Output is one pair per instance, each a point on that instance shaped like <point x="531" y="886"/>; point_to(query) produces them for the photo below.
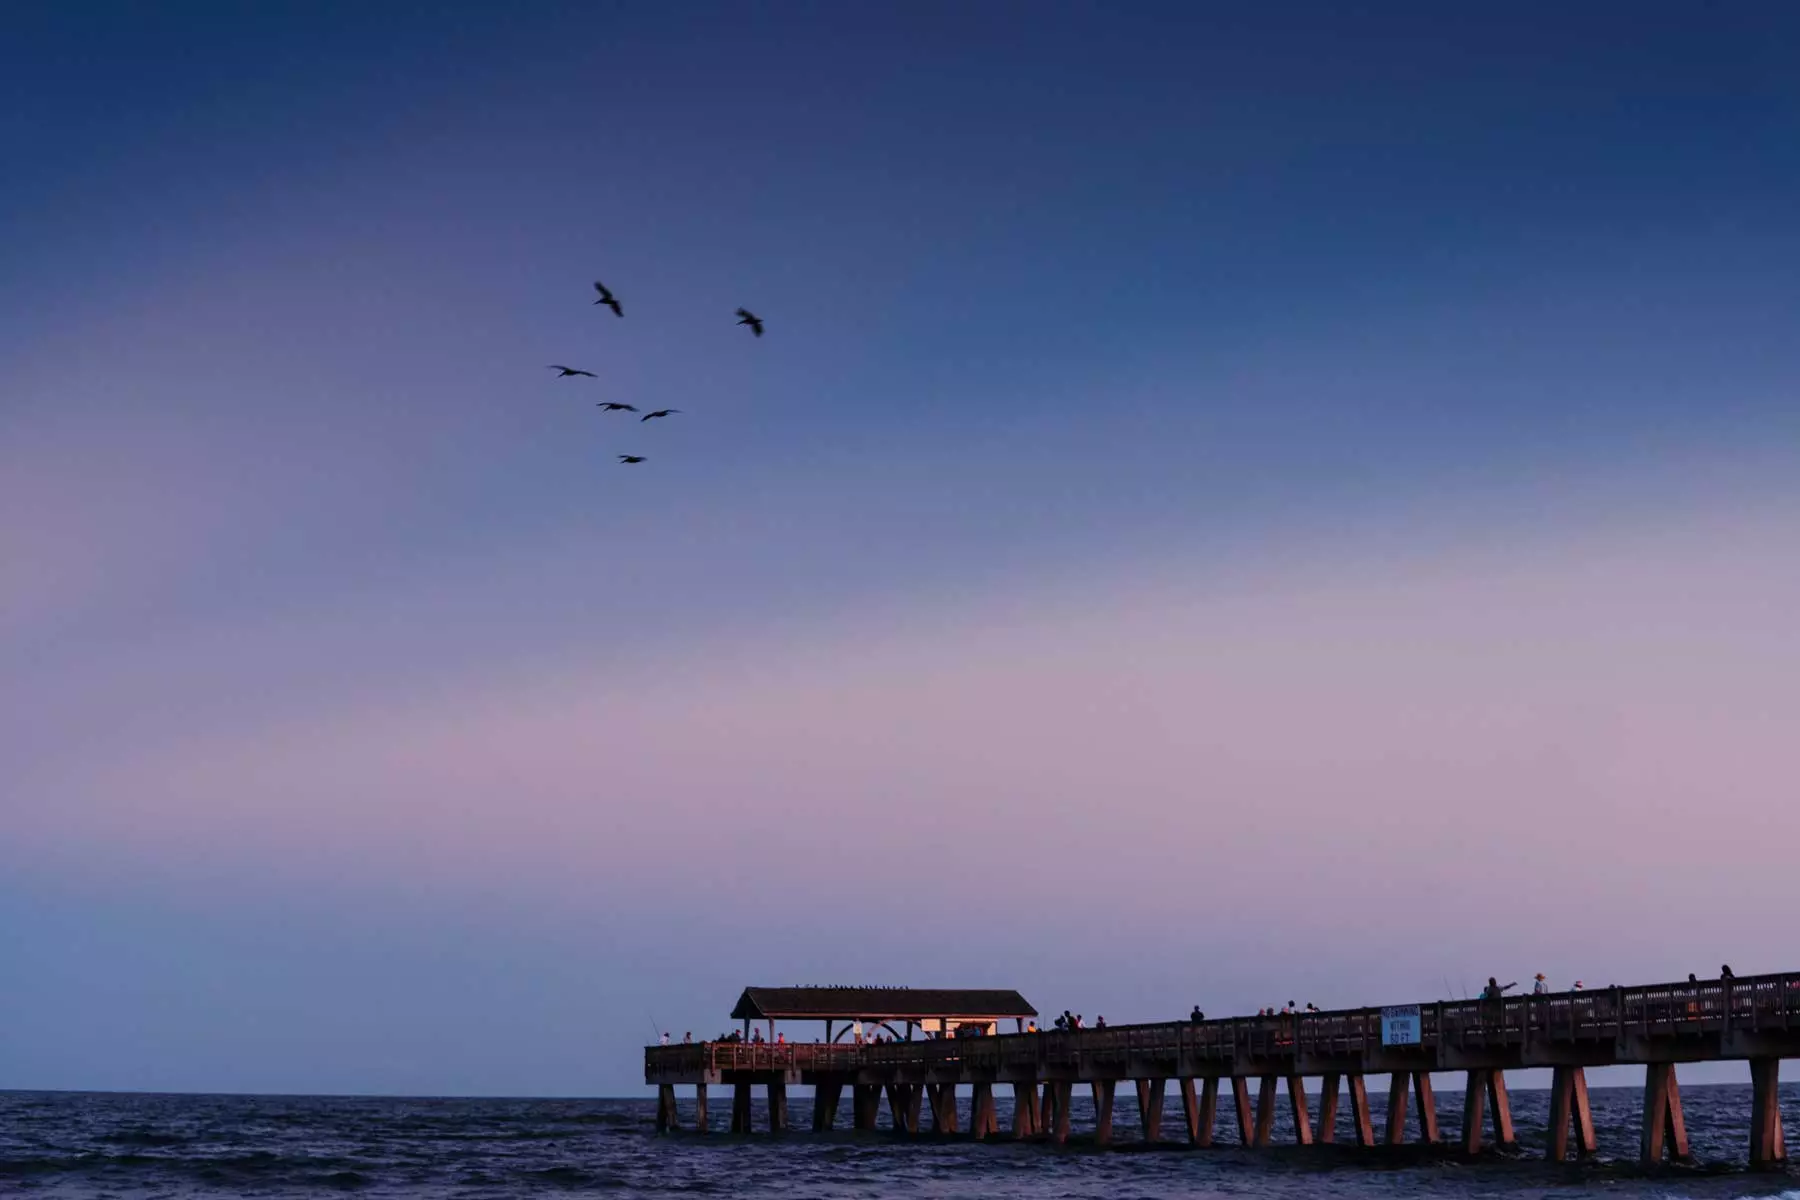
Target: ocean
<point x="66" y="1145"/>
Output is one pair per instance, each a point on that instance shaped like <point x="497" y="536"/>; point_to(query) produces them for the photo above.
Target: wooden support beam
<point x="1265" y="1110"/>
<point x="1103" y="1111"/>
<point x="1240" y="1095"/>
<point x="1150" y="1096"/>
<point x="1025" y="1109"/>
<point x="865" y="1105"/>
<point x="1359" y="1111"/>
<point x="1047" y="1108"/>
<point x="1474" y="1100"/>
<point x="1656" y="1114"/>
<point x="1583" y="1112"/>
<point x="1678" y="1138"/>
<point x="700" y="1108"/>
<point x="665" y="1108"/>
<point x="1562" y="1090"/>
<point x="1303" y="1129"/>
<point x="1428" y="1122"/>
<point x="1209" y="1110"/>
<point x="1190" y="1111"/>
<point x="984" y="1120"/>
<point x="778" y="1117"/>
<point x="943" y="1107"/>
<point x="915" y="1096"/>
<point x="825" y="1105"/>
<point x="1328" y="1107"/>
<point x="1504" y="1135"/>
<point x="1065" y="1092"/>
<point x="740" y="1108"/>
<point x="1768" y="1141"/>
<point x="1396" y="1110"/>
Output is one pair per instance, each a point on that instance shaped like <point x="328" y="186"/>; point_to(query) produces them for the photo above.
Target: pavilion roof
<point x="885" y="1003"/>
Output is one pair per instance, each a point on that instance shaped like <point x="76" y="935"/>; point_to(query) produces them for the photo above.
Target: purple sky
<point x="1229" y="509"/>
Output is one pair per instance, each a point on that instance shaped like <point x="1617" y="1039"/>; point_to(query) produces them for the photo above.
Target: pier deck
<point x="1753" y="1018"/>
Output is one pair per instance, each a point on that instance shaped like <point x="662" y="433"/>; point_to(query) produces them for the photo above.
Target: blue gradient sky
<point x="1225" y="489"/>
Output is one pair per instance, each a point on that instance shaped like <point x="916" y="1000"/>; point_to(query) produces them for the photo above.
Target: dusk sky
<point x="1236" y="503"/>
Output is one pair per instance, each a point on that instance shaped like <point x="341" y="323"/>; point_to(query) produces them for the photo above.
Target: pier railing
<point x="1752" y="1004"/>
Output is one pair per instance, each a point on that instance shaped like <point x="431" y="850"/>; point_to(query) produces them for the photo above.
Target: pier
<point x="1323" y="1057"/>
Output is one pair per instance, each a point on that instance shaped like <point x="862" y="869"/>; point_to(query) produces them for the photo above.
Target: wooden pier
<point x="1753" y="1018"/>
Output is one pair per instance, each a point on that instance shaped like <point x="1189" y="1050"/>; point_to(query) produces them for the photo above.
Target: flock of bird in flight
<point x="744" y="315"/>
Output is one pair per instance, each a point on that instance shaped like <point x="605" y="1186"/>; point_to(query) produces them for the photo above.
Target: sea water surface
<point x="66" y="1145"/>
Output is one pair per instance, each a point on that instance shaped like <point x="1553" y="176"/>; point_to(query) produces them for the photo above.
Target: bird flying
<point x="746" y="317"/>
<point x="661" y="412"/>
<point x="611" y="406"/>
<point x="607" y="298"/>
<point x="568" y="371"/>
<point x="631" y="458"/>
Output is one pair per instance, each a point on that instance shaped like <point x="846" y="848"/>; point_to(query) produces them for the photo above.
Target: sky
<point x="1235" y="503"/>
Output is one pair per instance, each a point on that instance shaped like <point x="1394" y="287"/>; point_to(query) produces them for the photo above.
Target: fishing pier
<point x="1323" y="1058"/>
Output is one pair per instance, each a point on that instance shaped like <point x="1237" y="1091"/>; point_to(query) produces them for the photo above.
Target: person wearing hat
<point x="1540" y="987"/>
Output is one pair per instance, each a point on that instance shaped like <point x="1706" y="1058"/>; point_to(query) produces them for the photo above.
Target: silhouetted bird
<point x="631" y="458"/>
<point x="661" y="412"/>
<point x="607" y="298"/>
<point x="746" y="317"/>
<point x="610" y="406"/>
<point x="568" y="371"/>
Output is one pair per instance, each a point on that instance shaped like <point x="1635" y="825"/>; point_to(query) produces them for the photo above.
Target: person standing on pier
<point x="1196" y="1016"/>
<point x="1495" y="990"/>
<point x="1540" y="988"/>
<point x="856" y="1031"/>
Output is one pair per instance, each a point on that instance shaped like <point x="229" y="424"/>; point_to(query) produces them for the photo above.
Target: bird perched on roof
<point x="746" y="317"/>
<point x="568" y="371"/>
<point x="613" y="406"/>
<point x="631" y="458"/>
<point x="607" y="298"/>
<point x="661" y="412"/>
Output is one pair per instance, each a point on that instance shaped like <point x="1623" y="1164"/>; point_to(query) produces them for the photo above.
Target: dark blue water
<point x="93" y="1145"/>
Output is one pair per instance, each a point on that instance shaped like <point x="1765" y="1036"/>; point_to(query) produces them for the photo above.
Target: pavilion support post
<point x="1474" y="1101"/>
<point x="700" y="1108"/>
<point x="1359" y="1111"/>
<point x="1768" y="1141"/>
<point x="1150" y="1096"/>
<point x="778" y="1117"/>
<point x="1504" y="1136"/>
<point x="1265" y="1110"/>
<point x="1240" y="1097"/>
<point x="1428" y="1122"/>
<point x="665" y="1108"/>
<point x="1396" y="1108"/>
<point x="1328" y="1107"/>
<point x="1103" y="1111"/>
<point x="1303" y="1127"/>
<point x="740" y="1108"/>
<point x="1025" y="1109"/>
